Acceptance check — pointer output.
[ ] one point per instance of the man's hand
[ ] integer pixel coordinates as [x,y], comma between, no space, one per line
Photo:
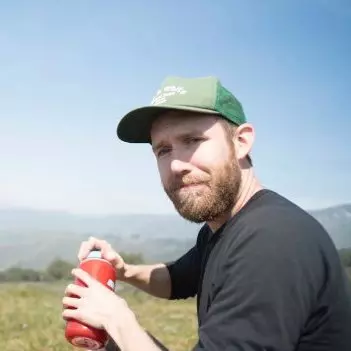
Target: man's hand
[96,305]
[107,253]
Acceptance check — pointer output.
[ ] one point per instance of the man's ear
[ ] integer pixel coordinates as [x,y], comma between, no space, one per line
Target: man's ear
[243,139]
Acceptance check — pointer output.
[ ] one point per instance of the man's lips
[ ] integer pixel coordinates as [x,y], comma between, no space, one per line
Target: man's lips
[191,185]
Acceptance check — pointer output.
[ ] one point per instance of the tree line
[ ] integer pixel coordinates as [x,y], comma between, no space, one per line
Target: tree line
[57,270]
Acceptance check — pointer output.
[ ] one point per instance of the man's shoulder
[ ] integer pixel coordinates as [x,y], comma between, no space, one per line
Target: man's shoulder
[272,215]
[270,209]
[274,231]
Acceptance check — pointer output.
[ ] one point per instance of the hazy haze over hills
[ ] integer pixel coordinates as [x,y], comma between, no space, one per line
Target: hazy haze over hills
[33,238]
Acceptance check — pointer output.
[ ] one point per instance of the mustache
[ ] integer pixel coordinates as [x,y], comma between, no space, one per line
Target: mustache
[178,182]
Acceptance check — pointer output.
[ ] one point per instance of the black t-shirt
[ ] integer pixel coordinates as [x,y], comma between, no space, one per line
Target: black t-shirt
[269,279]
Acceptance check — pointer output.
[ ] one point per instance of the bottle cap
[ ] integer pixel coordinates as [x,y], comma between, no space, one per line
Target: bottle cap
[94,254]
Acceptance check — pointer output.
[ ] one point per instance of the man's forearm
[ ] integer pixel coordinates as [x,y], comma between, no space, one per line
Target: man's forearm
[130,336]
[153,279]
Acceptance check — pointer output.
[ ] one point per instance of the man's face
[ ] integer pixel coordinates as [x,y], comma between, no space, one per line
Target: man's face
[197,164]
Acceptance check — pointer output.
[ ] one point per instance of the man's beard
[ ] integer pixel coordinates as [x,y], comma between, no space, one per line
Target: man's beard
[214,195]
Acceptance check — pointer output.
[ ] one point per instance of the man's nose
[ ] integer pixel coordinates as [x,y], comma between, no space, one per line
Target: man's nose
[179,166]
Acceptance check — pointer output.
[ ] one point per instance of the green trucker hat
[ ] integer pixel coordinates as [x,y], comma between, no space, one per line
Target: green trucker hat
[204,95]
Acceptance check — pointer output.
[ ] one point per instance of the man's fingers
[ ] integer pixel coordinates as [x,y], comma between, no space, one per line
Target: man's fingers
[70,302]
[83,276]
[83,250]
[89,245]
[70,313]
[113,257]
[107,252]
[76,290]
[97,244]
[119,262]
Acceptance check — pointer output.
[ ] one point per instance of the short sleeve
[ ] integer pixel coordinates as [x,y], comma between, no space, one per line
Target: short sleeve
[185,271]
[265,296]
[184,274]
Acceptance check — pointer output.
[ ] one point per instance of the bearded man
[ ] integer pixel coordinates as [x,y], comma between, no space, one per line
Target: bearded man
[265,273]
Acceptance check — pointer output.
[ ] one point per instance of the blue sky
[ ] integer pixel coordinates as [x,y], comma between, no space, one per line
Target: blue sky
[70,69]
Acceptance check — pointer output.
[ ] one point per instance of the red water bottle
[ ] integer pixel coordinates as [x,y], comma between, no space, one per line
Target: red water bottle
[77,333]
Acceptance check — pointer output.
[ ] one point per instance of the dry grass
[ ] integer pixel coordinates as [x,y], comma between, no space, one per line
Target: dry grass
[30,318]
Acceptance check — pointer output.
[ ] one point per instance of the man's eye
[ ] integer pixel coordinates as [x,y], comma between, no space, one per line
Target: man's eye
[163,151]
[194,140]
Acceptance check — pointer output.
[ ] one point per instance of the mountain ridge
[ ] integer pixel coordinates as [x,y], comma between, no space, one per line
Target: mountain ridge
[32,238]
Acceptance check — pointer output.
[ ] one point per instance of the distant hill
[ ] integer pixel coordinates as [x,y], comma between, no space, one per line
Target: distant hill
[19,220]
[33,238]
[337,221]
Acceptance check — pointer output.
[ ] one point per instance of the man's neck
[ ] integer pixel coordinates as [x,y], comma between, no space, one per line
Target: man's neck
[249,187]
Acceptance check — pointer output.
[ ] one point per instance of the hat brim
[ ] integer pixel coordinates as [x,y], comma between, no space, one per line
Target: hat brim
[135,126]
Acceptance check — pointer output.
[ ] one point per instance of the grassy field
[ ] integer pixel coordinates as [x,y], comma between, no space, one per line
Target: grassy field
[30,318]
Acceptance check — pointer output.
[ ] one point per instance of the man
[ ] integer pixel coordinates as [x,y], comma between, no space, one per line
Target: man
[266,275]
